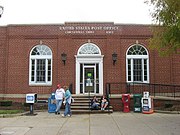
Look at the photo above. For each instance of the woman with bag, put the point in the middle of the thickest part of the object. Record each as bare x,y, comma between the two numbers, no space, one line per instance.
67,102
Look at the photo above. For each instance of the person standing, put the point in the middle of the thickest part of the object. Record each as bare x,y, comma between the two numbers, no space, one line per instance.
59,95
67,101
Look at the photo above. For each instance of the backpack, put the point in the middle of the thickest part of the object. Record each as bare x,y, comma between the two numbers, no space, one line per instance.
72,100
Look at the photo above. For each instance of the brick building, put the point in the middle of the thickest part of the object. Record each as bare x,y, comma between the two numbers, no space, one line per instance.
35,58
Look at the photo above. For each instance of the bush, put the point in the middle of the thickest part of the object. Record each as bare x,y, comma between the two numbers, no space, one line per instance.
168,105
26,105
5,103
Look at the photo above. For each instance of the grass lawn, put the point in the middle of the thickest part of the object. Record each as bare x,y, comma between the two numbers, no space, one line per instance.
10,111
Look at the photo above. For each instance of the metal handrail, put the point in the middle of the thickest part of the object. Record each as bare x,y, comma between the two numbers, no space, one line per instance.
107,96
166,90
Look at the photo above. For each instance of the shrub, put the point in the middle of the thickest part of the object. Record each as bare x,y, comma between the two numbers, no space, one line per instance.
168,105
26,104
5,103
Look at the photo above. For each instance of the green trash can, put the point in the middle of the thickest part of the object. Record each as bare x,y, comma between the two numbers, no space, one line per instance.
137,102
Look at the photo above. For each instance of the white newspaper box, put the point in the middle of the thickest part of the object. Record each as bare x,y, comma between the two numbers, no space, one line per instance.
147,103
31,98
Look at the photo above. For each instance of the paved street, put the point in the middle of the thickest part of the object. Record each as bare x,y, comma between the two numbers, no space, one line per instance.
117,123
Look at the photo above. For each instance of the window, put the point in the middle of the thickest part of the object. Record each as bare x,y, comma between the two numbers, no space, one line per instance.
40,66
89,48
137,64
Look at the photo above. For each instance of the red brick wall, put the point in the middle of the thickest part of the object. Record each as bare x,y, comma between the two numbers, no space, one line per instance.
175,70
3,48
17,42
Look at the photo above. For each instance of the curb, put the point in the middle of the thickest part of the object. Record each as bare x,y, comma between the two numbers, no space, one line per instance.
27,113
167,112
12,115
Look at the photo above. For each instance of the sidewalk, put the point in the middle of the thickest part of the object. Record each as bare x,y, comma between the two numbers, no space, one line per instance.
117,123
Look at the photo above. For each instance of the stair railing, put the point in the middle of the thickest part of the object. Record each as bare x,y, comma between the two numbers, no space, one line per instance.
89,97
107,95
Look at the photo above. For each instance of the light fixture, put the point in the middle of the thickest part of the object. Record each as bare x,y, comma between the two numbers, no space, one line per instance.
1,10
64,57
114,58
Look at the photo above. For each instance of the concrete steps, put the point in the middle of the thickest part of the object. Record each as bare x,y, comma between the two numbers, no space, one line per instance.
82,105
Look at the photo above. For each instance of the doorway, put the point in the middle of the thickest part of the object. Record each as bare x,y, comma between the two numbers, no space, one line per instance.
89,70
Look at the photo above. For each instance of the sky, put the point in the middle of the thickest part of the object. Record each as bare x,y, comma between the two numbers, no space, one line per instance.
61,11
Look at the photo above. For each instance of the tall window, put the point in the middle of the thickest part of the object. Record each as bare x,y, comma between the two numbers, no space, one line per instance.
40,72
137,64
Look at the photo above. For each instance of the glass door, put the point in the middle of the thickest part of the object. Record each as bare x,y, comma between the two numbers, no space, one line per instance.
89,79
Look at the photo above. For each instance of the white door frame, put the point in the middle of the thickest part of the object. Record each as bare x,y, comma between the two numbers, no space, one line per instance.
89,59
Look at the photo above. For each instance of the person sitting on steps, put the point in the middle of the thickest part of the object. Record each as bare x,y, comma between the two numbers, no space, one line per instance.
94,103
104,102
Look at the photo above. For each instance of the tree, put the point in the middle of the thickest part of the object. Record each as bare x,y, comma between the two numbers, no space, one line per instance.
166,32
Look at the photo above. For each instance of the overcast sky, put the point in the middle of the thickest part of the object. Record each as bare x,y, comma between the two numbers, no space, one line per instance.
60,11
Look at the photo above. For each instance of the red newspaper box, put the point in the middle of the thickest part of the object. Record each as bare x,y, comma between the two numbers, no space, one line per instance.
126,102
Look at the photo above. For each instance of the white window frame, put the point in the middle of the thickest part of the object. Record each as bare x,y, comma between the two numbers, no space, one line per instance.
131,58
40,57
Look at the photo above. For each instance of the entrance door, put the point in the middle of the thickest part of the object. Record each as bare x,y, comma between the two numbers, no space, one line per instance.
89,69
89,78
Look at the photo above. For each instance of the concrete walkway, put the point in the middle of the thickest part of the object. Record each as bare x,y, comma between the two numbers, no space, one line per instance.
117,123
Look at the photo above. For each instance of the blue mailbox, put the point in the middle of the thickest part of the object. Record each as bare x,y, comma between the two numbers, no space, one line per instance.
52,103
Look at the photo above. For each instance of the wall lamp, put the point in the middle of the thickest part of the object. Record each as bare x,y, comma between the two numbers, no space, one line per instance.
64,57
114,58
1,10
